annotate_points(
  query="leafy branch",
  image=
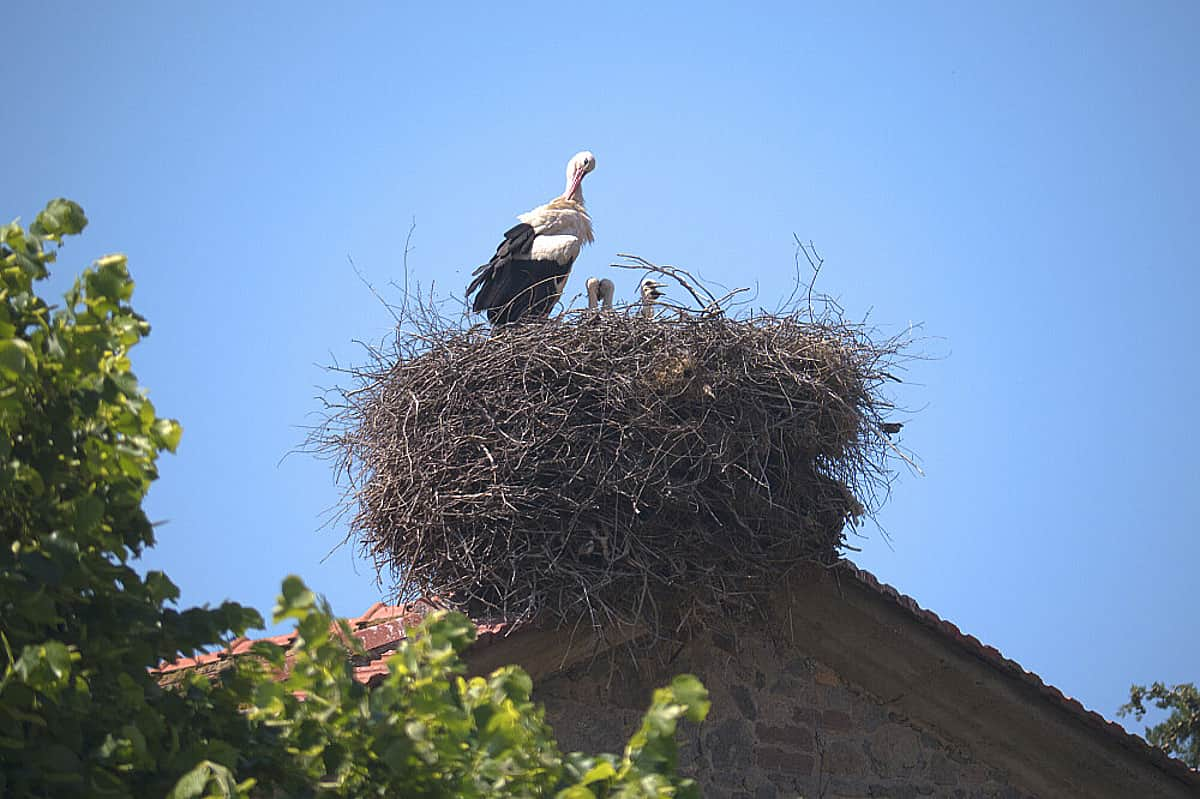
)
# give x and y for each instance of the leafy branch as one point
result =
(1179, 735)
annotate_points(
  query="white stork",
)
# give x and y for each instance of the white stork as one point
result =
(600, 290)
(650, 294)
(527, 274)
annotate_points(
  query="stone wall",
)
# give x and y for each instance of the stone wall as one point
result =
(782, 725)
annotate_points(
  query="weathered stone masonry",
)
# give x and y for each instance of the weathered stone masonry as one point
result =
(782, 724)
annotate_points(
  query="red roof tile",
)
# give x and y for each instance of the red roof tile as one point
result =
(380, 630)
(374, 671)
(382, 627)
(994, 657)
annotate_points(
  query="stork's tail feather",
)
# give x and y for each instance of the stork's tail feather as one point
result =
(480, 276)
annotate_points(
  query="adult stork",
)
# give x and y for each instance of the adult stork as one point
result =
(527, 274)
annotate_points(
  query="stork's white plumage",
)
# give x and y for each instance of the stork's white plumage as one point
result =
(526, 276)
(649, 292)
(600, 290)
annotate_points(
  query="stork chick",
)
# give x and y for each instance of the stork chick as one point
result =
(600, 290)
(650, 294)
(526, 276)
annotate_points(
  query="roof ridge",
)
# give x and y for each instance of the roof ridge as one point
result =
(997, 659)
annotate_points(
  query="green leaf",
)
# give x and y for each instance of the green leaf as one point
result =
(169, 432)
(690, 692)
(601, 771)
(44, 667)
(62, 761)
(270, 698)
(16, 356)
(575, 792)
(11, 234)
(60, 218)
(108, 280)
(41, 566)
(160, 587)
(89, 511)
(295, 601)
(273, 654)
(192, 784)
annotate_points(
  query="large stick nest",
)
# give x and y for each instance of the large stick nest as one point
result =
(598, 463)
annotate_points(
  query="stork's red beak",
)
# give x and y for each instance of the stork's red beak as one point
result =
(575, 181)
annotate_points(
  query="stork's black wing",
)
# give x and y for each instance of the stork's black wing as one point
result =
(512, 286)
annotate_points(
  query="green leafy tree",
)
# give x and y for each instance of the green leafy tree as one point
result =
(80, 712)
(428, 731)
(1179, 735)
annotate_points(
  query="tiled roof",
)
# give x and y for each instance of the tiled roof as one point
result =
(382, 627)
(1011, 668)
(380, 630)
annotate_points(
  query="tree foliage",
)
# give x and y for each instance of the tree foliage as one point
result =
(80, 712)
(429, 731)
(1179, 735)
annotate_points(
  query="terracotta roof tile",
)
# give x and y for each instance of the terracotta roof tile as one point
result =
(993, 656)
(368, 615)
(382, 627)
(373, 672)
(382, 635)
(240, 646)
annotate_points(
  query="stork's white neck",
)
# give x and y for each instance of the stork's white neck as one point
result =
(577, 197)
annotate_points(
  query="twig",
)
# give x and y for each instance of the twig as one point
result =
(371, 288)
(716, 304)
(407, 249)
(816, 262)
(680, 276)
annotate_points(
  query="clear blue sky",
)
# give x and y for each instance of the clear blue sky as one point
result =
(1019, 177)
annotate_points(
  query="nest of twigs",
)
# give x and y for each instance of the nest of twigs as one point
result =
(599, 463)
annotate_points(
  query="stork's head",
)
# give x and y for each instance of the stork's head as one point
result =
(577, 167)
(650, 290)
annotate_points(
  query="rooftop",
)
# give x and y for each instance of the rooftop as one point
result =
(382, 627)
